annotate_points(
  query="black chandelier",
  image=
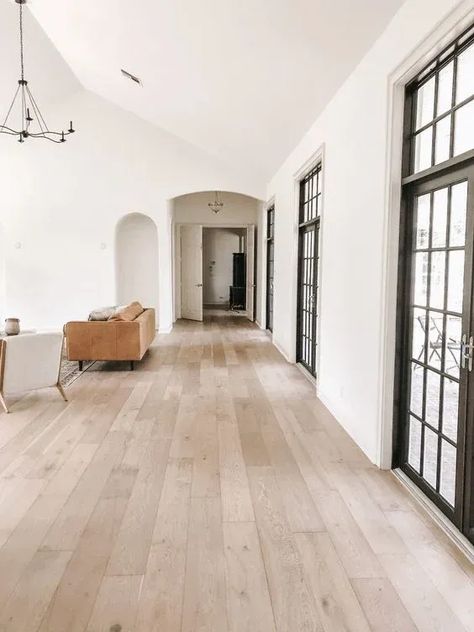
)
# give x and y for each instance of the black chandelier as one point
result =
(25, 101)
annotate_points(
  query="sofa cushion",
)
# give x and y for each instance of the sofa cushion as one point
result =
(128, 313)
(104, 313)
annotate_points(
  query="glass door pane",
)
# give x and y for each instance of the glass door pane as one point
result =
(307, 307)
(439, 303)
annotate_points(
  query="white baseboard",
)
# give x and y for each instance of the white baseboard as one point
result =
(282, 351)
(166, 329)
(307, 375)
(259, 324)
(437, 516)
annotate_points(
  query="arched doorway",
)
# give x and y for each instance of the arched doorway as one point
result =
(217, 254)
(136, 260)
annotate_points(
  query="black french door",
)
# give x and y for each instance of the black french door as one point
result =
(437, 411)
(308, 260)
(270, 265)
(434, 441)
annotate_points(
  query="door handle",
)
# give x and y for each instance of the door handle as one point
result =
(198, 284)
(467, 350)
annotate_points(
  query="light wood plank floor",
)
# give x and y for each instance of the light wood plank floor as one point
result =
(210, 491)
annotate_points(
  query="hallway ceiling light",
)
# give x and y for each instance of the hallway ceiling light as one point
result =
(28, 106)
(217, 205)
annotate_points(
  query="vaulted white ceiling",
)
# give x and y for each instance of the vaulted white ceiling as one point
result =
(242, 79)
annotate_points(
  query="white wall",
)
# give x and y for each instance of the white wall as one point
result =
(353, 133)
(60, 205)
(218, 246)
(136, 255)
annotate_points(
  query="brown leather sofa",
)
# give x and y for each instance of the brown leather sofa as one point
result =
(111, 339)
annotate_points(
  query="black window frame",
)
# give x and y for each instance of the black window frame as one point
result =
(270, 270)
(309, 220)
(440, 175)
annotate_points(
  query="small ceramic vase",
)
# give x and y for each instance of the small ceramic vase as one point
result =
(12, 326)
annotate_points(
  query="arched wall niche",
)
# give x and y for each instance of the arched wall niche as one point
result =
(136, 260)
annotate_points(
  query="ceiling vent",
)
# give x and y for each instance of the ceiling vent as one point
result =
(129, 75)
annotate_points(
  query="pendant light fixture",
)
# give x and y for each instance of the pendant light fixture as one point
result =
(24, 106)
(217, 205)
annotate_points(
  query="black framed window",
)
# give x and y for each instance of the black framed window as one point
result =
(270, 265)
(310, 204)
(434, 402)
(441, 102)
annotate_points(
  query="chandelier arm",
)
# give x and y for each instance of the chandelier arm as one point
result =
(39, 116)
(50, 133)
(52, 140)
(11, 107)
(8, 130)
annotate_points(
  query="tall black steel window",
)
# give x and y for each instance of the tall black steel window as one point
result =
(435, 378)
(441, 102)
(270, 265)
(308, 260)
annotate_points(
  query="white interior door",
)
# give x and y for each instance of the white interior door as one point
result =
(250, 271)
(191, 271)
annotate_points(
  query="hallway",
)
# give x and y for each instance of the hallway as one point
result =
(209, 490)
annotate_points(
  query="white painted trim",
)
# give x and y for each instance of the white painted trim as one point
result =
(452, 26)
(282, 351)
(436, 515)
(311, 379)
(261, 257)
(264, 259)
(177, 250)
(166, 329)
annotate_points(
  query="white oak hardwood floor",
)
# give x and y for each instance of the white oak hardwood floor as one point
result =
(210, 491)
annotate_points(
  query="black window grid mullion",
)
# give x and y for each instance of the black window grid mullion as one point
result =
(451, 112)
(433, 429)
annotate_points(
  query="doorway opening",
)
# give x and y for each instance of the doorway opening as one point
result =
(224, 273)
(216, 270)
